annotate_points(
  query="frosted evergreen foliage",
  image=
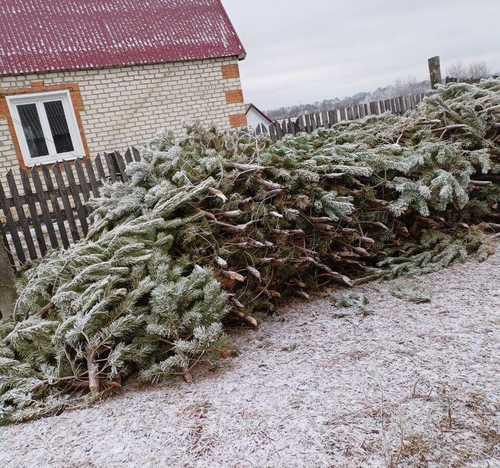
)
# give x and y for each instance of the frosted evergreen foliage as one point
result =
(112, 306)
(223, 225)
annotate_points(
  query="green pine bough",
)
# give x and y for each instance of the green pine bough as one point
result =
(222, 226)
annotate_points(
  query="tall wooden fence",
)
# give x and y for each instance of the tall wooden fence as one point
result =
(326, 119)
(46, 207)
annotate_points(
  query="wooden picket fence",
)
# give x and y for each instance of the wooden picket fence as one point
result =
(49, 209)
(326, 119)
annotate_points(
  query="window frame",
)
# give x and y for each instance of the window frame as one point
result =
(38, 99)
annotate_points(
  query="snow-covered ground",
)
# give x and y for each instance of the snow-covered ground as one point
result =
(409, 385)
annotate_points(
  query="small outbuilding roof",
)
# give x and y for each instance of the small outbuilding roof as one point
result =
(256, 109)
(54, 35)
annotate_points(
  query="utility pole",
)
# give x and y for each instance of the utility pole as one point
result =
(435, 71)
(8, 294)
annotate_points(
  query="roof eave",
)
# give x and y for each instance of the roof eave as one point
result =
(242, 56)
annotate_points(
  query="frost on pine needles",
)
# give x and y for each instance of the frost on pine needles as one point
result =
(222, 226)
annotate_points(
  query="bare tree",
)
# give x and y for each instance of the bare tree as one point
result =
(473, 71)
(458, 70)
(478, 70)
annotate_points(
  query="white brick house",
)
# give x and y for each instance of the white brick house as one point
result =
(81, 78)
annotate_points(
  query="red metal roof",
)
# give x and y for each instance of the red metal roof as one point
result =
(51, 35)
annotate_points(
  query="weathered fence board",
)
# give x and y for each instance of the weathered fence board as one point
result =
(326, 119)
(42, 199)
(21, 216)
(100, 168)
(10, 226)
(34, 219)
(57, 213)
(7, 283)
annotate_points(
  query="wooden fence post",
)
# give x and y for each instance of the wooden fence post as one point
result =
(8, 294)
(435, 71)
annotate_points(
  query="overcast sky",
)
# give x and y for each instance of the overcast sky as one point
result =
(302, 51)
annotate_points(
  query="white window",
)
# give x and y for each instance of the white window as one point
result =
(46, 127)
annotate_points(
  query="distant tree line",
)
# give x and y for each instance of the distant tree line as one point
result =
(468, 72)
(399, 88)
